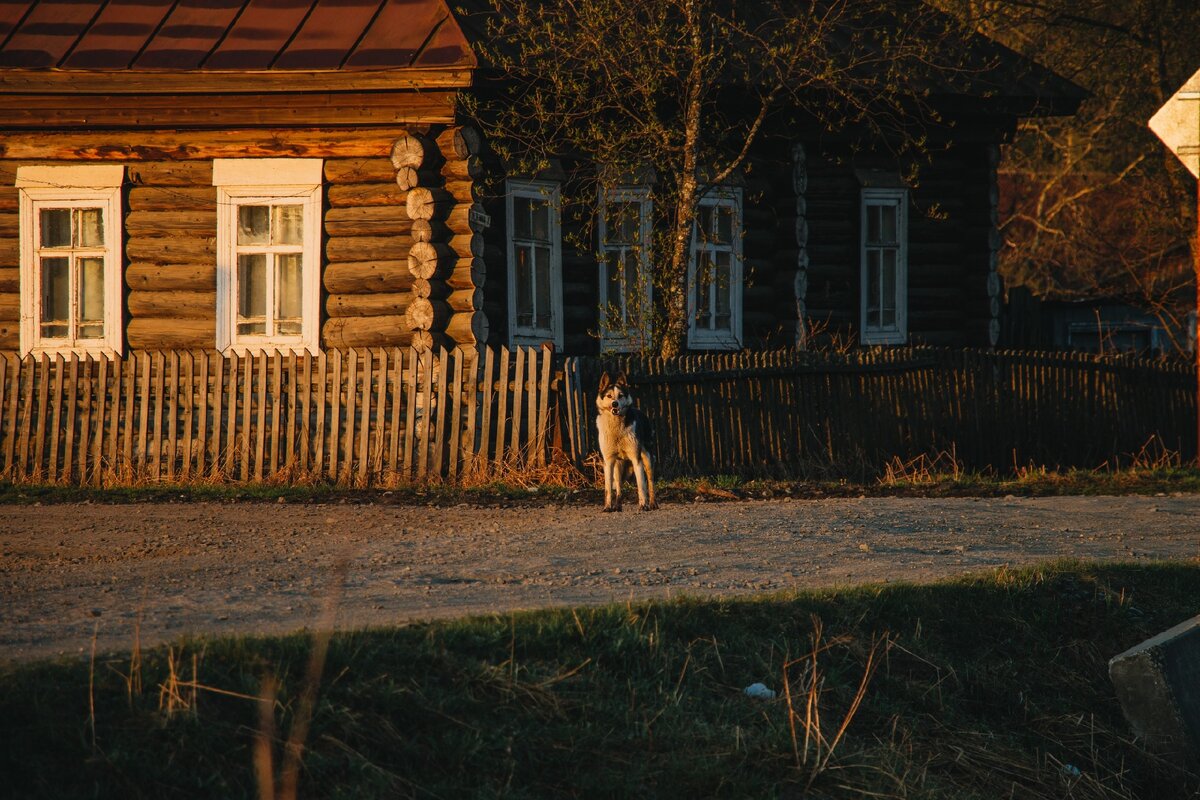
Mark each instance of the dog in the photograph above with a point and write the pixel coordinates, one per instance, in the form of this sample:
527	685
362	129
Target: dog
625	437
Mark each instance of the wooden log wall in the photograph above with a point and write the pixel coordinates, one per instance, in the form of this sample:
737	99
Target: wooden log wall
171	218
951	241
446	259
859	413
356	417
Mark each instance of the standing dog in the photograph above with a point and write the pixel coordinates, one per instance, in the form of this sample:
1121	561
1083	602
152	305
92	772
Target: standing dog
625	436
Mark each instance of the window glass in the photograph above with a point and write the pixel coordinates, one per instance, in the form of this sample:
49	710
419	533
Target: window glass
542	282
253	224
287	225
56	297
91	298
56	227
91	227
521	213
288	293
252	293
524	291
540	212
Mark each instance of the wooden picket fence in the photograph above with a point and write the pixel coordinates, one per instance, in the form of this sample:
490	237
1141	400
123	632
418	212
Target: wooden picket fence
390	416
356	417
850	414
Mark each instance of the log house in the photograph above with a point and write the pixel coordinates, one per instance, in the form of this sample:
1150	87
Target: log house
175	175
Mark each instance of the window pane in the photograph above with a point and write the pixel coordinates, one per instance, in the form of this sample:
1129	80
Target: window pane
287	226
253	224
872	288
56	227
888	289
724	224
91	227
613	291
873	223
252	293
704	221
723	291
521	228
540	211
523	286
622	225
543	287
888	223
91	298
703	279
56	296
633	289
288	293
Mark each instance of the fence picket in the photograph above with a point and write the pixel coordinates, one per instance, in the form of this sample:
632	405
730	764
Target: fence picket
55	400
410	411
455	422
440	412
426	431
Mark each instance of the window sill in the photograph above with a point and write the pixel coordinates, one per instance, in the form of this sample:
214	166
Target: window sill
883	337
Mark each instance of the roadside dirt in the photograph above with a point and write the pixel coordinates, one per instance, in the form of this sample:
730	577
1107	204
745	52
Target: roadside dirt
69	570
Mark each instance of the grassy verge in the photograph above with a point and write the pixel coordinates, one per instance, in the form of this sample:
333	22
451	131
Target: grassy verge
989	687
715	488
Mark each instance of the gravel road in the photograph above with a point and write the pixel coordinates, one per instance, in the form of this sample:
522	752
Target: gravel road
69	570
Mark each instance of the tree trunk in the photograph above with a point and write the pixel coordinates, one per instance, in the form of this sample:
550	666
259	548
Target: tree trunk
674	338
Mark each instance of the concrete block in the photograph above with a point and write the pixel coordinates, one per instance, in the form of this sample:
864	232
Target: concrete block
1158	685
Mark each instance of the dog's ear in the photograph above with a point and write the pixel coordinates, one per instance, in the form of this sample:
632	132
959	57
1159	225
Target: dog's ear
605	382
621	381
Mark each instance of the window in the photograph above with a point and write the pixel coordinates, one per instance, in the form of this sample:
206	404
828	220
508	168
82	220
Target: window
535	260
70	229
884	271
715	273
625	285
268	253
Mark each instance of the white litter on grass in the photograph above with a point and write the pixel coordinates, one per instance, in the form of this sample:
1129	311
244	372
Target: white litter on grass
759	691
1071	771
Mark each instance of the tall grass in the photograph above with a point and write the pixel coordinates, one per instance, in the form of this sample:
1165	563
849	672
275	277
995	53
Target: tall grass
994	686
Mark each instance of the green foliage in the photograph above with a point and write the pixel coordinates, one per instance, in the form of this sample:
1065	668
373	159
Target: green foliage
990	685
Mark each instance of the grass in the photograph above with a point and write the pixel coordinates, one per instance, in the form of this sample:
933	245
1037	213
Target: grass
989	687
902	480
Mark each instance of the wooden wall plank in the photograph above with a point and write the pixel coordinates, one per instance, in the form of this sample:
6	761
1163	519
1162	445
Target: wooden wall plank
518	387
455	422
55	399
85	417
425	435
543	427
440	412
262	376
502	419
380	422
347	473
410	410
396	389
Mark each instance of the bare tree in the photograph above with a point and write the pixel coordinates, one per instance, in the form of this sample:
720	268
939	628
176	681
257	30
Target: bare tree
1094	206
684	88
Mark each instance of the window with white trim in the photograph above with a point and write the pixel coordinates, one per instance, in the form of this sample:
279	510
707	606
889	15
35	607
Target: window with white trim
625	280
715	273
535	263
70	244
884	272
268	253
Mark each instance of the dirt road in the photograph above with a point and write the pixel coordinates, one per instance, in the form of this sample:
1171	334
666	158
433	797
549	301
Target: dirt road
66	570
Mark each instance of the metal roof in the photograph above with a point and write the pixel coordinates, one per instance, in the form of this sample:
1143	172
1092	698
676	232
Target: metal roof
234	35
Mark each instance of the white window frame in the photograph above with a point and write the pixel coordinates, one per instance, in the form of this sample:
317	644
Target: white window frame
70	187
707	339
875	334
627	342
257	181
531	335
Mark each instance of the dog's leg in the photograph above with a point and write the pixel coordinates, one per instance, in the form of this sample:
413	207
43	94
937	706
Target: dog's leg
639	472
618	479
610	467
648	470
